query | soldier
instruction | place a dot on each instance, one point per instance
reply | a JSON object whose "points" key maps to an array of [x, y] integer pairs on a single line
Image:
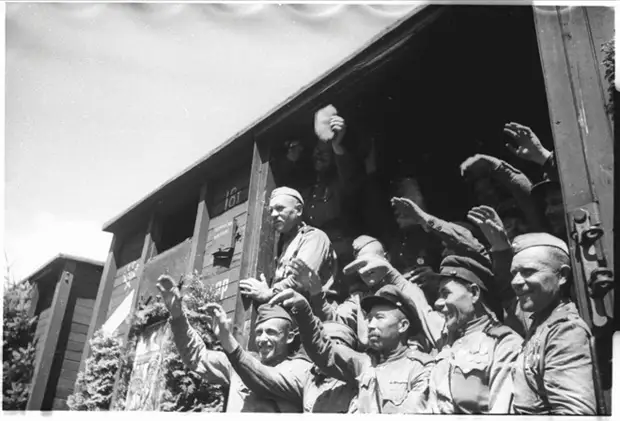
{"points": [[298, 241], [390, 377], [471, 374], [554, 372], [314, 391], [275, 339]]}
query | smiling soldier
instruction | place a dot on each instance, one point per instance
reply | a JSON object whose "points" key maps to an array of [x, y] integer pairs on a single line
{"points": [[554, 372], [274, 339]]}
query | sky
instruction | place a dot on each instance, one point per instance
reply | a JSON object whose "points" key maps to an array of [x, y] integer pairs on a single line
{"points": [[105, 102]]}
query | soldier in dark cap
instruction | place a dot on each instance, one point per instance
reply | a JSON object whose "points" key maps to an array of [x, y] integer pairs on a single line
{"points": [[554, 372], [274, 338], [310, 389], [390, 376], [472, 370]]}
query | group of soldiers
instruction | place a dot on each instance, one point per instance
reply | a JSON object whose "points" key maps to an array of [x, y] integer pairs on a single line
{"points": [[451, 318]]}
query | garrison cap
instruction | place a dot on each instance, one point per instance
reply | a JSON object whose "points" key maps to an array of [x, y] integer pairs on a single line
{"points": [[337, 330], [534, 239], [268, 312], [362, 241], [287, 191], [392, 295], [466, 269]]}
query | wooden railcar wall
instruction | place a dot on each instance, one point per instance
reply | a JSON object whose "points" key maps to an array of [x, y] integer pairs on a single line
{"points": [[126, 278], [72, 336]]}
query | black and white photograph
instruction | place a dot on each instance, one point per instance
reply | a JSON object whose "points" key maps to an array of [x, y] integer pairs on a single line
{"points": [[309, 207]]}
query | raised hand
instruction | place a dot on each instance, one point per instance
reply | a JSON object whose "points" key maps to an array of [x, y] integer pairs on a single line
{"points": [[289, 298], [372, 269], [339, 127], [491, 226], [307, 279], [528, 145], [221, 324], [408, 211], [171, 295], [258, 291], [478, 165]]}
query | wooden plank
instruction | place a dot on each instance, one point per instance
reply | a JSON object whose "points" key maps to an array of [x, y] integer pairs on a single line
{"points": [[66, 383], [63, 392], [34, 299], [77, 337], [128, 274], [78, 318], [70, 365], [85, 303], [73, 356], [201, 230], [44, 365], [79, 328], [82, 311], [76, 346], [102, 301], [59, 404], [68, 375], [259, 242]]}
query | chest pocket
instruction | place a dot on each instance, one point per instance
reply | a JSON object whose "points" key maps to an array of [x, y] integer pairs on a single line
{"points": [[469, 381], [466, 362]]}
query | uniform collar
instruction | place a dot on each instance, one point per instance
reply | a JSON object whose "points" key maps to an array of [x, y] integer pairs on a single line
{"points": [[475, 325], [563, 307], [393, 356]]}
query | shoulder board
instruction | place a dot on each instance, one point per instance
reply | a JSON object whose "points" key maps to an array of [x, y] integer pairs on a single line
{"points": [[419, 356], [569, 318], [498, 331]]}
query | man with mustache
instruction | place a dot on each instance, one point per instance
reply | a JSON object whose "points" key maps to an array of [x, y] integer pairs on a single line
{"points": [[298, 241], [315, 393], [274, 339], [390, 376], [554, 372]]}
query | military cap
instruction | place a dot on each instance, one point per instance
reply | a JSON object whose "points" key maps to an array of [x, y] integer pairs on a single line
{"points": [[287, 191], [362, 241], [466, 269], [337, 330], [268, 312], [534, 239], [392, 295]]}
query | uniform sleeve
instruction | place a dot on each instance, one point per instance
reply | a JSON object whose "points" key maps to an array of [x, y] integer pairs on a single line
{"points": [[502, 279], [500, 376], [419, 388], [432, 321], [550, 169], [212, 366], [337, 361], [284, 381], [345, 313], [514, 317], [458, 238], [521, 188], [568, 371]]}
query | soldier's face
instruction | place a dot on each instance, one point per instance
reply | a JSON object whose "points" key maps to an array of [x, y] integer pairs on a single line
{"points": [[285, 212], [321, 158], [536, 281], [386, 325], [554, 212], [485, 191], [456, 302], [273, 337]]}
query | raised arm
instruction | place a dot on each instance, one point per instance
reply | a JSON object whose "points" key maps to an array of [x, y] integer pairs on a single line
{"points": [[213, 366], [335, 360]]}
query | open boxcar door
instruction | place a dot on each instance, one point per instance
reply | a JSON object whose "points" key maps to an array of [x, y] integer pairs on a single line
{"points": [[570, 40]]}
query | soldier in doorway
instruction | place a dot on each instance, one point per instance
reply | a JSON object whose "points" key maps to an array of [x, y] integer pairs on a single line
{"points": [[298, 241], [275, 340], [554, 374]]}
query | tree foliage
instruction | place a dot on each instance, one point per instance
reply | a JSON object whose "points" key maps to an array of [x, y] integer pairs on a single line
{"points": [[609, 57], [183, 391], [18, 346]]}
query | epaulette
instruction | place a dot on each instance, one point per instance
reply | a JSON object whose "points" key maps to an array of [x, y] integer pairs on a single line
{"points": [[498, 331], [419, 356]]}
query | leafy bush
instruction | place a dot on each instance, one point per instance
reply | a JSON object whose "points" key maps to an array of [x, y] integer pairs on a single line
{"points": [[18, 346], [609, 51], [184, 390]]}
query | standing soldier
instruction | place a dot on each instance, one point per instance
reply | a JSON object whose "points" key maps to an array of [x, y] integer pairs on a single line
{"points": [[554, 373], [315, 393], [390, 377], [275, 339], [472, 369], [298, 241]]}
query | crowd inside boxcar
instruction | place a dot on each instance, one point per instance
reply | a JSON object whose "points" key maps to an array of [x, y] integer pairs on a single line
{"points": [[379, 306]]}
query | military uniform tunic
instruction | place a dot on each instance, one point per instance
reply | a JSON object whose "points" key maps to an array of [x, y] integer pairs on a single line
{"points": [[554, 373], [302, 384], [397, 385], [214, 367]]}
